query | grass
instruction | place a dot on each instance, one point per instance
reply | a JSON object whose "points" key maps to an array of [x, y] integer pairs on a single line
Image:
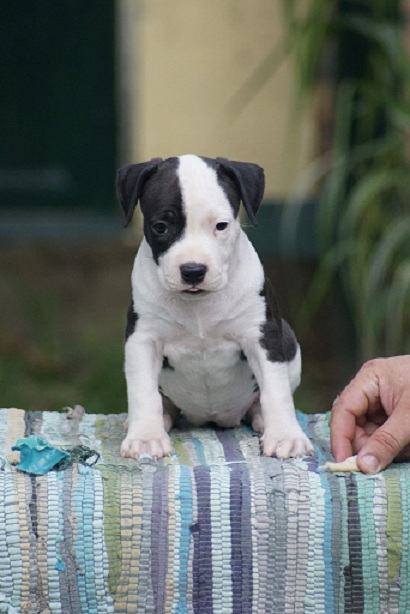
{"points": [[63, 310], [42, 379]]}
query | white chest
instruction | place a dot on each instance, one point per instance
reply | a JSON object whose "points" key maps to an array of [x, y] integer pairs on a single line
{"points": [[209, 382]]}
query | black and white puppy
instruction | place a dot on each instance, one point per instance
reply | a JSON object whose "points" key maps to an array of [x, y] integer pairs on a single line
{"points": [[204, 334]]}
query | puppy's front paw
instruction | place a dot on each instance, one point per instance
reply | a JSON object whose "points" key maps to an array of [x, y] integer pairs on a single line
{"points": [[289, 444], [154, 443]]}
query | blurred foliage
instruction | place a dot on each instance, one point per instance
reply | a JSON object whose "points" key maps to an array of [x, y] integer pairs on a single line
{"points": [[363, 197], [352, 53]]}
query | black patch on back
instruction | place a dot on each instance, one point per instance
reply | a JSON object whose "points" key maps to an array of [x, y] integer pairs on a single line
{"points": [[161, 201], [242, 356], [132, 318], [166, 364], [277, 337]]}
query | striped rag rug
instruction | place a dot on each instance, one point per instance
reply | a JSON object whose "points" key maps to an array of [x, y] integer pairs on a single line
{"points": [[216, 528]]}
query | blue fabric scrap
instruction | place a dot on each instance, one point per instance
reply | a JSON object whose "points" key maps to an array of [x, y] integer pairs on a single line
{"points": [[37, 455]]}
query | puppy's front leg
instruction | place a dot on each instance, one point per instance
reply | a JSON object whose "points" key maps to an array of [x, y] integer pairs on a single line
{"points": [[146, 432], [275, 417]]}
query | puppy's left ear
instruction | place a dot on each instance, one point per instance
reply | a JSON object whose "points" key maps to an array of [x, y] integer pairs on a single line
{"points": [[130, 183], [250, 182]]}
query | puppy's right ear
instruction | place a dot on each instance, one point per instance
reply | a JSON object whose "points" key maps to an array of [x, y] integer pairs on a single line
{"points": [[130, 183]]}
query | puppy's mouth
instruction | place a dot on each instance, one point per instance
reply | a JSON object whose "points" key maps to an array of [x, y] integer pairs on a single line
{"points": [[193, 291]]}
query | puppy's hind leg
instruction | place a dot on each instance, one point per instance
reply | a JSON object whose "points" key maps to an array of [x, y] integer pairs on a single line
{"points": [[171, 413], [254, 416], [296, 445]]}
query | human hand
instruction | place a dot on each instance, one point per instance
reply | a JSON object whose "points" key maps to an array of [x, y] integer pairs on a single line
{"points": [[371, 418]]}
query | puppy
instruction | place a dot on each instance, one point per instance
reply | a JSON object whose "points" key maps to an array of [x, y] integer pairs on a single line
{"points": [[204, 334]]}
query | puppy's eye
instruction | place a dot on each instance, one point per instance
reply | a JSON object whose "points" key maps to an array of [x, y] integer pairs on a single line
{"points": [[221, 226], [160, 228]]}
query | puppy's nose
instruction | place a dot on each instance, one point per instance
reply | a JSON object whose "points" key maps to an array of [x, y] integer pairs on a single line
{"points": [[193, 273]]}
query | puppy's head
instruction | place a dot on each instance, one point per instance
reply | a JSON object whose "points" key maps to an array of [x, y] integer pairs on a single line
{"points": [[190, 207]]}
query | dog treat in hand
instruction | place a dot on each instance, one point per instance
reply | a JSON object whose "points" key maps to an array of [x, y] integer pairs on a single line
{"points": [[350, 464]]}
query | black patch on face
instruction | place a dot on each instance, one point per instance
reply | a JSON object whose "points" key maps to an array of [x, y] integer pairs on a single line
{"points": [[166, 364], [277, 337], [227, 184], [132, 318], [241, 181], [161, 205]]}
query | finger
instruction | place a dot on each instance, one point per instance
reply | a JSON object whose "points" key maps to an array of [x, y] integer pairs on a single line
{"points": [[348, 421], [365, 427], [357, 399], [342, 432], [360, 439], [386, 443], [370, 427]]}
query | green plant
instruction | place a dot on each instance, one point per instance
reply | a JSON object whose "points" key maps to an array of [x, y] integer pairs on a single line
{"points": [[361, 175]]}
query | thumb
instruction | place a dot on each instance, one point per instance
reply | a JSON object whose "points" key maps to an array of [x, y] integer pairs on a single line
{"points": [[385, 444]]}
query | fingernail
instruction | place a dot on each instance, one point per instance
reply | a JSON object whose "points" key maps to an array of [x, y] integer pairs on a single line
{"points": [[369, 463]]}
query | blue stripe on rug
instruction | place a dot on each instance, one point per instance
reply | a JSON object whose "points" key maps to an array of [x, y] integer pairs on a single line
{"points": [[185, 498]]}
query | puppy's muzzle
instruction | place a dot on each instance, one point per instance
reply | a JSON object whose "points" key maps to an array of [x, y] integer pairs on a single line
{"points": [[193, 273]]}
